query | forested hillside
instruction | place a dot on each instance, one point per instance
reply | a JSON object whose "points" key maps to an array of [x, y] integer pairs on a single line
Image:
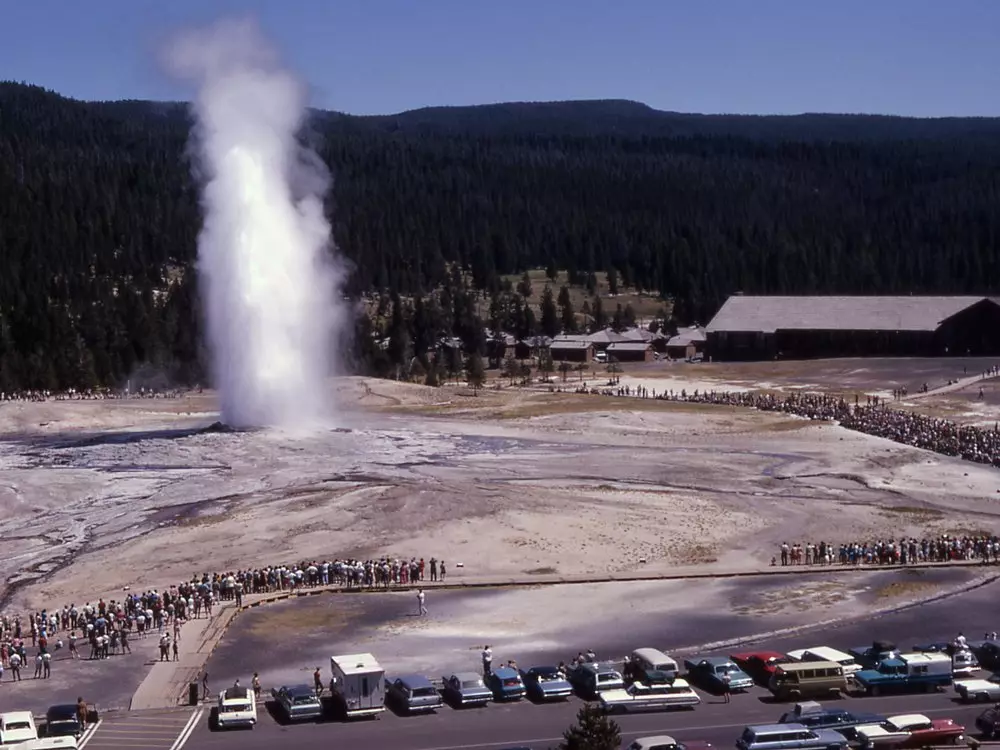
{"points": [[99, 216]]}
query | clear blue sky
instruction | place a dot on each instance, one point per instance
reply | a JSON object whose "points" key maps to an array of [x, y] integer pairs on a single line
{"points": [[912, 57]]}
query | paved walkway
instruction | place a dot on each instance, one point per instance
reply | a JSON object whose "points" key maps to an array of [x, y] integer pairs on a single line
{"points": [[167, 683], [956, 386]]}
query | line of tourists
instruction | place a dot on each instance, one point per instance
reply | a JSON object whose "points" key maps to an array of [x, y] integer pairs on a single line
{"points": [[891, 551]]}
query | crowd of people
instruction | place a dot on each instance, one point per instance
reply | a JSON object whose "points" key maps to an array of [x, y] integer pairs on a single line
{"points": [[891, 551], [107, 628], [87, 394], [873, 416]]}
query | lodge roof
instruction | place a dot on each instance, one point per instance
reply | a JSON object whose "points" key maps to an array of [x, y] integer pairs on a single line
{"points": [[848, 313]]}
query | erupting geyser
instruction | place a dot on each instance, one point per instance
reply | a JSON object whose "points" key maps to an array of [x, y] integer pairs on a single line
{"points": [[269, 283]]}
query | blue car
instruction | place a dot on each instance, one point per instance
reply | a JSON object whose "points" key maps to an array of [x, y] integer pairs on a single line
{"points": [[708, 672], [546, 684], [506, 684]]}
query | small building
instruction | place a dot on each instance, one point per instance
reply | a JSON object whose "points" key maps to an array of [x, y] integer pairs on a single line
{"points": [[755, 328], [531, 346], [573, 350], [687, 343], [500, 346], [657, 340], [630, 351], [602, 339]]}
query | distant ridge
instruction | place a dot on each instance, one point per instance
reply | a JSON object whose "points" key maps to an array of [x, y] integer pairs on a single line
{"points": [[611, 117]]}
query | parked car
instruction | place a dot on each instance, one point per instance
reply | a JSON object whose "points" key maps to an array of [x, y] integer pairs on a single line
{"points": [[590, 679], [963, 660], [814, 716], [988, 723], [17, 727], [789, 736], [871, 656], [988, 653], [505, 684], [298, 702], [760, 665], [546, 684], [413, 693], [708, 672], [910, 730], [61, 720], [656, 693], [466, 689], [981, 690], [666, 742], [237, 707]]}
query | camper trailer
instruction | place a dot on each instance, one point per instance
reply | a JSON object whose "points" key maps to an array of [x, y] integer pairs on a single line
{"points": [[357, 685]]}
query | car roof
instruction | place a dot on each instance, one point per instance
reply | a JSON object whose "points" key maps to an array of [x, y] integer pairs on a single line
{"points": [[908, 719], [17, 715], [542, 670], [467, 676], [659, 739], [768, 728], [505, 672], [765, 655], [714, 660], [62, 709], [415, 681], [299, 689], [235, 693]]}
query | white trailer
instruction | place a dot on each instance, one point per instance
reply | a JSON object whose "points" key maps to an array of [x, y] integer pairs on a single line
{"points": [[357, 684]]}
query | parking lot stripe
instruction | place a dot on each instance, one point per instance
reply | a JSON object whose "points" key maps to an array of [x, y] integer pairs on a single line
{"points": [[188, 729], [88, 733]]}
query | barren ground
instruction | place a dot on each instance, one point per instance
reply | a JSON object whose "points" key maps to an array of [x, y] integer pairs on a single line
{"points": [[95, 496]]}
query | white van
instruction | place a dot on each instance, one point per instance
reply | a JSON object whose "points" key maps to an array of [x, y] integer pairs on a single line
{"points": [[654, 660], [17, 727], [825, 653]]}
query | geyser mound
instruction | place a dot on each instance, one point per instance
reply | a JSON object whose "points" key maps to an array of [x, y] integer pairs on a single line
{"points": [[269, 281]]}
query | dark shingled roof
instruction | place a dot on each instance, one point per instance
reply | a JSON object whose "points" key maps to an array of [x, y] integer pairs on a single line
{"points": [[768, 314]]}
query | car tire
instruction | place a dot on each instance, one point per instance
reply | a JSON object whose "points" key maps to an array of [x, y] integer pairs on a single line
{"points": [[982, 698]]}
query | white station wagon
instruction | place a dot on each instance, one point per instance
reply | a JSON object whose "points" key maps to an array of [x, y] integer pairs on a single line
{"points": [[237, 708]]}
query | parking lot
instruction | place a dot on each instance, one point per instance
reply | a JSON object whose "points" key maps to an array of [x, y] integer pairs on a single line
{"points": [[152, 730]]}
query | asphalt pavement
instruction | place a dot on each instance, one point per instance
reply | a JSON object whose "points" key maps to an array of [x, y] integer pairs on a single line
{"points": [[498, 726]]}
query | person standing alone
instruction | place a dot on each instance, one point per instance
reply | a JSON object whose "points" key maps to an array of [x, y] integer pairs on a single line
{"points": [[487, 660], [421, 598], [725, 687]]}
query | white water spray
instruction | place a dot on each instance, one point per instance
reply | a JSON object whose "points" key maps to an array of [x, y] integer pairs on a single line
{"points": [[269, 283]]}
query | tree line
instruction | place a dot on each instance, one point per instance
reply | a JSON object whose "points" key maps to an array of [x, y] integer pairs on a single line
{"points": [[435, 209]]}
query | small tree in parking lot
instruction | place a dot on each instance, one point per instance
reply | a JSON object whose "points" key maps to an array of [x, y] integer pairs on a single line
{"points": [[593, 731]]}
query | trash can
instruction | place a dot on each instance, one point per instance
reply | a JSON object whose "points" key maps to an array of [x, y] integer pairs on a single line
{"points": [[193, 694]]}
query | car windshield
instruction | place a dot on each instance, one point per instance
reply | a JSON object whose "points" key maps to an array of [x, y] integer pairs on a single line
{"points": [[607, 677], [472, 683], [303, 700], [890, 727], [230, 708], [16, 725], [725, 669], [422, 692]]}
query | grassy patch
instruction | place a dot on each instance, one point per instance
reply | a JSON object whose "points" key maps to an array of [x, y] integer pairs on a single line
{"points": [[548, 570], [913, 510], [293, 620], [907, 589]]}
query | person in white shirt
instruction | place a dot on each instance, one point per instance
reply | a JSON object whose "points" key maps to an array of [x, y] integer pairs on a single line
{"points": [[422, 610], [487, 660]]}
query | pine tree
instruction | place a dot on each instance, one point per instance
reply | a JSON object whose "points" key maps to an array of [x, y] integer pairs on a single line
{"points": [[551, 271], [475, 372], [524, 286], [612, 281], [550, 316], [600, 320], [567, 316], [593, 731]]}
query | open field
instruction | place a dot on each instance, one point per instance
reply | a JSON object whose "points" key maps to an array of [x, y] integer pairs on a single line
{"points": [[646, 305], [100, 495]]}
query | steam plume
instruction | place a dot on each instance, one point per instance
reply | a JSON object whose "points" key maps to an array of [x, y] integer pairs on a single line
{"points": [[269, 283]]}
